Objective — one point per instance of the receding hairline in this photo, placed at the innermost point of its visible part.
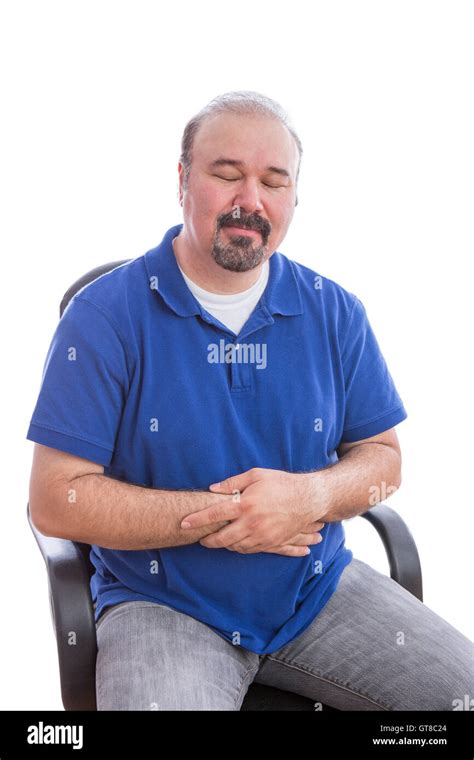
(208, 117)
(240, 103)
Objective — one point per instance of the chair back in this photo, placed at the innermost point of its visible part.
(86, 279)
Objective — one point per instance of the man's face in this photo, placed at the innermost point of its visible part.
(252, 194)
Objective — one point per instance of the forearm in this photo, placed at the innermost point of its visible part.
(365, 475)
(96, 509)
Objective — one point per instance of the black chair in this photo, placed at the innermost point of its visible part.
(69, 570)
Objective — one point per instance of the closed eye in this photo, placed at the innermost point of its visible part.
(234, 179)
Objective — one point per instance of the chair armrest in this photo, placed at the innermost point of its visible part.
(403, 558)
(73, 618)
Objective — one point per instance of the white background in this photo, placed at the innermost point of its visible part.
(95, 96)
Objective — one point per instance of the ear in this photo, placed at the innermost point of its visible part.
(180, 183)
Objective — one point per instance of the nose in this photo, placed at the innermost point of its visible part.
(248, 196)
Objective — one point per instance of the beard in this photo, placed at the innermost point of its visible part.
(241, 253)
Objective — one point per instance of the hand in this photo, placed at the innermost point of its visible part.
(298, 545)
(268, 509)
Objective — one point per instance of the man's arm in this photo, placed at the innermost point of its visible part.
(71, 498)
(273, 504)
(368, 471)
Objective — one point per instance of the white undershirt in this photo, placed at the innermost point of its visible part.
(232, 309)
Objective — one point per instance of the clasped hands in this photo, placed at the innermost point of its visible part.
(267, 511)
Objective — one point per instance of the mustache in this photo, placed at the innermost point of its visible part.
(247, 223)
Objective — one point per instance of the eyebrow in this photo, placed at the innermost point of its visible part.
(233, 162)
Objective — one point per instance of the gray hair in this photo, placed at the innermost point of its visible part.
(246, 102)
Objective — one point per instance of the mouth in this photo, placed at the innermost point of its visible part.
(241, 231)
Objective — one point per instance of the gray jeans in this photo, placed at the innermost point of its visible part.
(373, 646)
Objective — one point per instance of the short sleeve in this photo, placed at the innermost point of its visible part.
(84, 385)
(372, 403)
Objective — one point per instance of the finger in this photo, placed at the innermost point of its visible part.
(300, 540)
(215, 527)
(226, 537)
(236, 483)
(227, 509)
(314, 526)
(306, 539)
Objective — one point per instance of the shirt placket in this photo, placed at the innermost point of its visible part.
(241, 371)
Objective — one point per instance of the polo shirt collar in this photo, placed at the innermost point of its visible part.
(281, 295)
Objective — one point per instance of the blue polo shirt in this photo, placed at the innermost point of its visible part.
(141, 379)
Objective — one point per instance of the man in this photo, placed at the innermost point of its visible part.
(208, 415)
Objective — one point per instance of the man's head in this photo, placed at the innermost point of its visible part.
(239, 167)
